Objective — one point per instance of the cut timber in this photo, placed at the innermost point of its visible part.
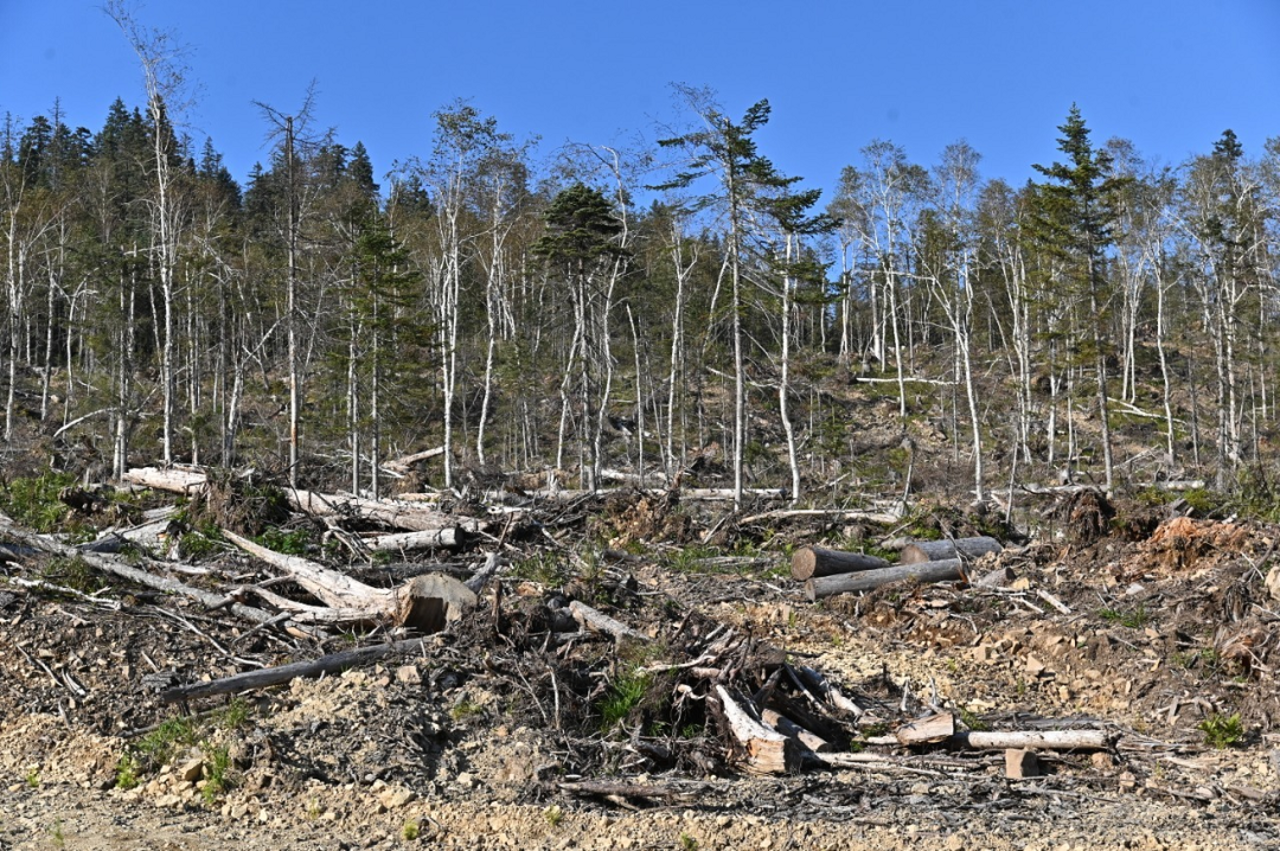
(600, 622)
(429, 602)
(427, 539)
(809, 562)
(929, 571)
(286, 673)
(791, 729)
(928, 730)
(768, 751)
(919, 552)
(1058, 740)
(883, 518)
(424, 603)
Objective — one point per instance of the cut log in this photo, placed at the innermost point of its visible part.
(919, 552)
(450, 538)
(1058, 740)
(883, 518)
(600, 622)
(428, 603)
(927, 730)
(791, 729)
(929, 571)
(265, 677)
(809, 562)
(767, 751)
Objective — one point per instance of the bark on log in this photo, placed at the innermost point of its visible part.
(919, 552)
(768, 751)
(930, 571)
(174, 479)
(265, 677)
(600, 622)
(791, 729)
(400, 515)
(428, 539)
(403, 463)
(922, 731)
(809, 562)
(1058, 740)
(883, 518)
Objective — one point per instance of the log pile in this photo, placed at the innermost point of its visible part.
(827, 572)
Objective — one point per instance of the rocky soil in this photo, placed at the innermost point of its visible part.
(1150, 625)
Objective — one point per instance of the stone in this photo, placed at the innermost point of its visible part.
(1020, 764)
(409, 674)
(1273, 582)
(191, 770)
(393, 797)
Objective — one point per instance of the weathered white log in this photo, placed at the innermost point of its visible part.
(150, 536)
(1058, 740)
(598, 621)
(401, 515)
(403, 463)
(768, 751)
(930, 571)
(809, 562)
(791, 729)
(428, 539)
(927, 730)
(184, 480)
(424, 603)
(918, 552)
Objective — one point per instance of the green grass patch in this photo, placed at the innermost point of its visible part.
(1133, 618)
(1222, 731)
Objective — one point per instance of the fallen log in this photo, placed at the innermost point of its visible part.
(784, 725)
(1057, 740)
(929, 571)
(600, 622)
(183, 480)
(809, 562)
(424, 603)
(450, 538)
(117, 567)
(918, 552)
(401, 515)
(883, 518)
(402, 464)
(767, 751)
(264, 677)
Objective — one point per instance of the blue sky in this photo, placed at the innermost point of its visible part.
(1170, 75)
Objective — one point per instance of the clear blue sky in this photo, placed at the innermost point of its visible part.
(1170, 75)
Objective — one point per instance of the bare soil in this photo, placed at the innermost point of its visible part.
(1148, 626)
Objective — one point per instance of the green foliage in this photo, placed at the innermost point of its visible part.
(217, 773)
(33, 502)
(688, 843)
(411, 830)
(1222, 731)
(553, 815)
(544, 568)
(625, 693)
(293, 542)
(1133, 618)
(1257, 495)
(74, 573)
(32, 778)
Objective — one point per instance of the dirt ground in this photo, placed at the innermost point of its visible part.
(1151, 629)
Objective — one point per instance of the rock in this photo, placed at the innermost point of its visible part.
(1102, 761)
(191, 770)
(393, 797)
(409, 674)
(1035, 667)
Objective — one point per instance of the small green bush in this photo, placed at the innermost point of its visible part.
(1222, 731)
